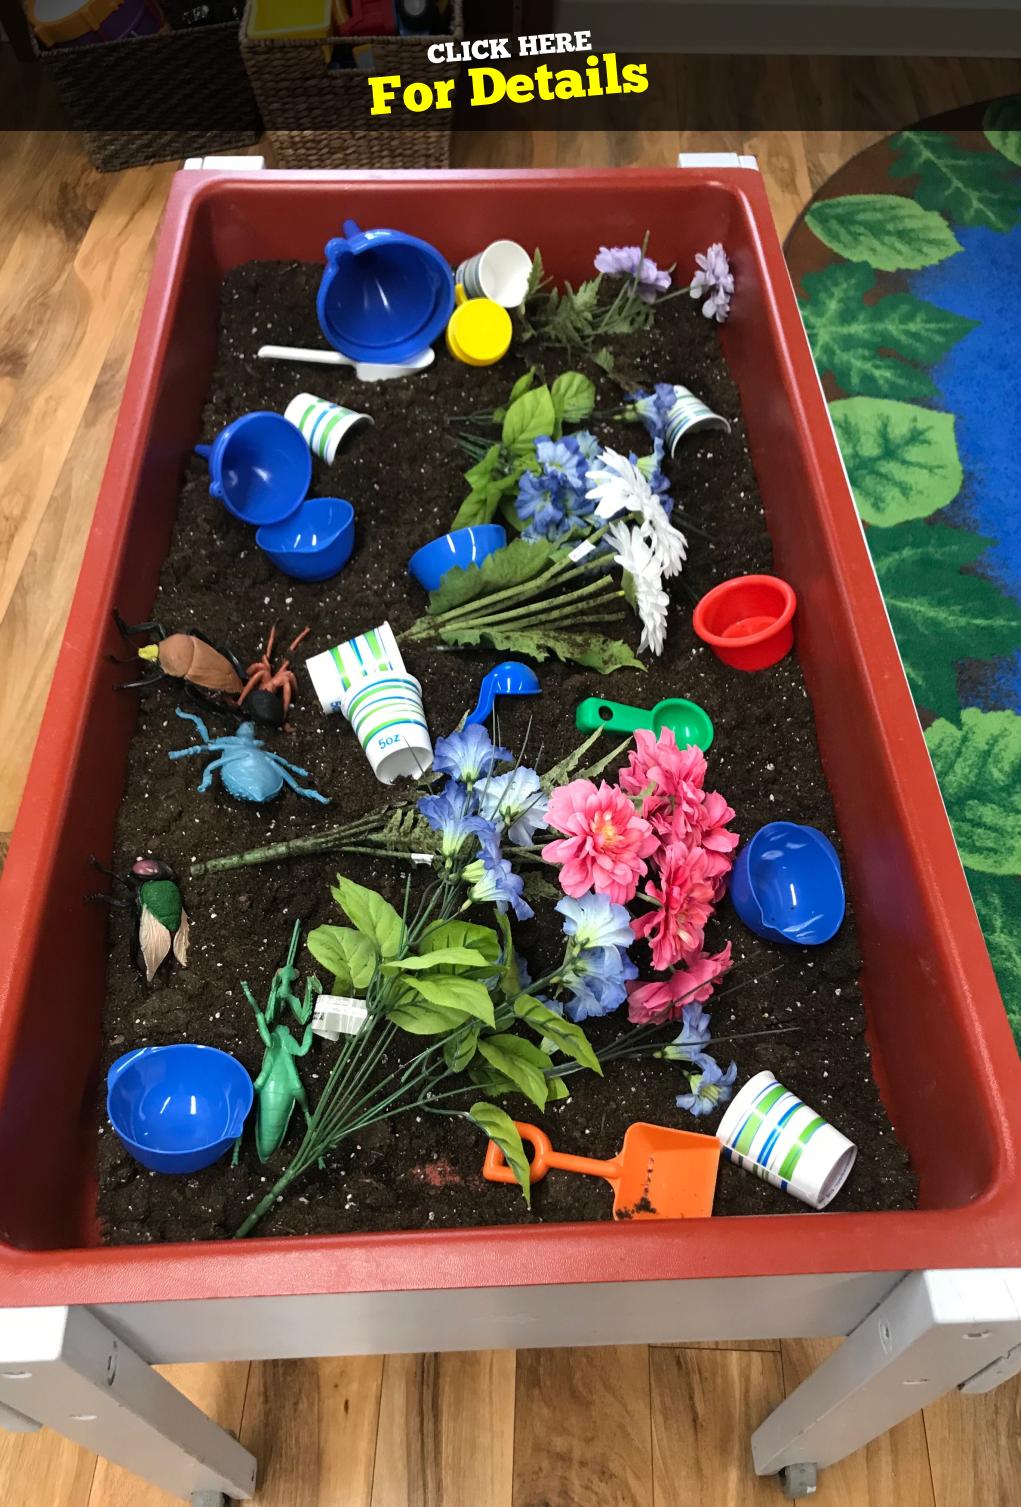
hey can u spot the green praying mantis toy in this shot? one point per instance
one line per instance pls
(278, 1087)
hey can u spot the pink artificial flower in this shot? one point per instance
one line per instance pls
(685, 896)
(674, 771)
(605, 842)
(716, 839)
(655, 1004)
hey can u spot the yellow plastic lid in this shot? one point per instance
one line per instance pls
(291, 18)
(56, 21)
(479, 332)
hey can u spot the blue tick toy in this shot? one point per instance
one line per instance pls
(248, 772)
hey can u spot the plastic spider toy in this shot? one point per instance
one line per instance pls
(269, 693)
(248, 772)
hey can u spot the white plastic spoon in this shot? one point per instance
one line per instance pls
(365, 371)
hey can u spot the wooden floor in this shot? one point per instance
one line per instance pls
(630, 1427)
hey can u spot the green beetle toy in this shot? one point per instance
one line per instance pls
(151, 888)
(278, 1087)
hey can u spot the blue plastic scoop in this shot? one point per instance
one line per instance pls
(511, 678)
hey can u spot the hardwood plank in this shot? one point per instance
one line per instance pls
(705, 1406)
(349, 1392)
(581, 1428)
(446, 1430)
(59, 374)
(32, 626)
(44, 1470)
(279, 1417)
(974, 1446)
(217, 1389)
(767, 1346)
(892, 1469)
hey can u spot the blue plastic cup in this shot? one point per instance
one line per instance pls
(385, 296)
(786, 885)
(315, 542)
(178, 1108)
(260, 468)
(464, 547)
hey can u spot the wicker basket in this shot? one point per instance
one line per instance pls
(142, 100)
(317, 116)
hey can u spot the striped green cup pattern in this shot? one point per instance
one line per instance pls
(771, 1133)
(323, 424)
(689, 413)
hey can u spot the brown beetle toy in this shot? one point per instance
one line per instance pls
(210, 674)
(268, 693)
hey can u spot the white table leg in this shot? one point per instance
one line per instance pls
(63, 1368)
(935, 1331)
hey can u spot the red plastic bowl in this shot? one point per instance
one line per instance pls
(748, 621)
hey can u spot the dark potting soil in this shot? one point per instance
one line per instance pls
(405, 479)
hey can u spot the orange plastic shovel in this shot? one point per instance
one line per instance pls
(658, 1173)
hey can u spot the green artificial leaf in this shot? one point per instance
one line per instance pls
(442, 957)
(532, 416)
(444, 934)
(885, 230)
(565, 1035)
(426, 1020)
(574, 397)
(459, 1050)
(973, 188)
(477, 508)
(451, 992)
(350, 956)
(516, 563)
(373, 916)
(519, 1061)
(562, 771)
(497, 1085)
(902, 460)
(1002, 125)
(941, 612)
(998, 902)
(499, 1127)
(616, 755)
(537, 887)
(522, 385)
(486, 468)
(586, 298)
(978, 765)
(557, 1089)
(538, 275)
(867, 345)
(594, 650)
(604, 358)
(510, 971)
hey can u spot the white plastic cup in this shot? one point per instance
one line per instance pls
(500, 273)
(366, 681)
(770, 1132)
(324, 425)
(689, 415)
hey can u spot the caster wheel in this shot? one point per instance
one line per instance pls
(798, 1481)
(209, 1499)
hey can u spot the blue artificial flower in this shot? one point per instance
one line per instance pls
(517, 802)
(451, 813)
(599, 978)
(695, 1034)
(561, 458)
(541, 509)
(709, 1088)
(493, 880)
(589, 447)
(654, 408)
(468, 755)
(594, 921)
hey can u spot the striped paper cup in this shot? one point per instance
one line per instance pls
(501, 273)
(366, 681)
(688, 415)
(324, 425)
(767, 1130)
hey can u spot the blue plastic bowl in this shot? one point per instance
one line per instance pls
(787, 887)
(464, 547)
(178, 1108)
(385, 296)
(260, 467)
(315, 542)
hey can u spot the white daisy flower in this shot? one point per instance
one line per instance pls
(618, 486)
(634, 553)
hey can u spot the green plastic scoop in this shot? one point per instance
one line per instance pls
(688, 722)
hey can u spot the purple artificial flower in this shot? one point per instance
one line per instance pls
(494, 881)
(713, 277)
(450, 813)
(468, 755)
(599, 978)
(654, 408)
(628, 261)
(694, 1037)
(709, 1087)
